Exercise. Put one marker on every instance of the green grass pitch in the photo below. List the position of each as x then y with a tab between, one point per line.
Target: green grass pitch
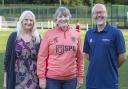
123	71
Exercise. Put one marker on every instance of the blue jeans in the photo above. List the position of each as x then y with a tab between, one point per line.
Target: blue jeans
61	84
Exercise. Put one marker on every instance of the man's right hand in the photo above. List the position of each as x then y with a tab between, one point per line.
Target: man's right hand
4	84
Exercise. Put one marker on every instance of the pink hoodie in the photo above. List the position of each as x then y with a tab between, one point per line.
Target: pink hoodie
60	55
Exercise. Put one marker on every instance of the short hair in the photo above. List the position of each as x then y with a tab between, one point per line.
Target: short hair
104	7
62	10
19	27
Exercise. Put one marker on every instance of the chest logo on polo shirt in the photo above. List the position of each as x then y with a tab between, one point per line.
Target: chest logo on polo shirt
105	40
90	40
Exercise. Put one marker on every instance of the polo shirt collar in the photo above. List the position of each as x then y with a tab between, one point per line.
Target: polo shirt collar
104	30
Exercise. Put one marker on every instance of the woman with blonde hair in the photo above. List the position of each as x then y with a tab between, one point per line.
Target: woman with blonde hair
21	54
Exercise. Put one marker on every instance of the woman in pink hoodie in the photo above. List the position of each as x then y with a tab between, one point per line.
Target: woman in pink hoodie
60	60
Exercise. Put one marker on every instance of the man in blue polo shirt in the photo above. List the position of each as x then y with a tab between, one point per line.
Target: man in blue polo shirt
104	47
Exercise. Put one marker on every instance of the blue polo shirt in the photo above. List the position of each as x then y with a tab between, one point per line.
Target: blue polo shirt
103	49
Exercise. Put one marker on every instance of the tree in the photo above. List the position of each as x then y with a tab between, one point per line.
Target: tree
98	1
65	2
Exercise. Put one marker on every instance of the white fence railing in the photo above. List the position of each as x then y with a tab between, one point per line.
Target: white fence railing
40	25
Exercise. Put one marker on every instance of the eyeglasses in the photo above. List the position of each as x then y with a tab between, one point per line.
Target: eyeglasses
99	12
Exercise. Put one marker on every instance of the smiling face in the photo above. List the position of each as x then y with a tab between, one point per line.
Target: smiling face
62	20
27	22
62	17
99	14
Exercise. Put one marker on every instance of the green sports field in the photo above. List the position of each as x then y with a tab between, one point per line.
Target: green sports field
123	71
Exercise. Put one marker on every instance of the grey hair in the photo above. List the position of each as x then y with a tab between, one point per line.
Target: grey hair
62	10
19	28
103	6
